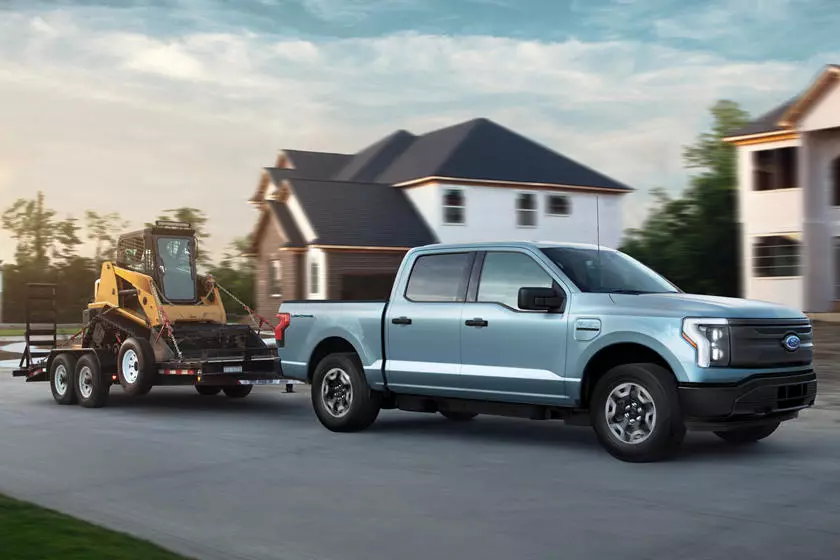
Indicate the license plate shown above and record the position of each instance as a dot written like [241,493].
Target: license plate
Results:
[261,382]
[233,369]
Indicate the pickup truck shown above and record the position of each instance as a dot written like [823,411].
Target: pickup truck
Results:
[574,332]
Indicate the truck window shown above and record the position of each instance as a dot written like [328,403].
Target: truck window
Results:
[439,278]
[504,273]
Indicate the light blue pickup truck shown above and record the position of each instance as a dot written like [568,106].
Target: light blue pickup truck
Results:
[553,331]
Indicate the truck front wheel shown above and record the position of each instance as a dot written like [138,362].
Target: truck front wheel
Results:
[636,414]
[342,399]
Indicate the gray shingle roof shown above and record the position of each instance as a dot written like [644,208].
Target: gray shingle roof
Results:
[369,163]
[317,165]
[361,214]
[287,222]
[768,122]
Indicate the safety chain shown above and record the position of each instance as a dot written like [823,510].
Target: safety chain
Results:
[254,316]
[166,325]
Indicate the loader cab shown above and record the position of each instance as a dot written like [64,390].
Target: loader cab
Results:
[166,252]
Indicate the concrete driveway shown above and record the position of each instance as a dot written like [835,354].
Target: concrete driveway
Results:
[259,478]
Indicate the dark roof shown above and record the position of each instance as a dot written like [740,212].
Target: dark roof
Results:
[317,165]
[768,122]
[369,163]
[361,214]
[294,238]
[481,149]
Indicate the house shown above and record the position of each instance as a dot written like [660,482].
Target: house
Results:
[789,198]
[336,226]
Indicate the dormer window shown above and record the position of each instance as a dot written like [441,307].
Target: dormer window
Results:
[453,206]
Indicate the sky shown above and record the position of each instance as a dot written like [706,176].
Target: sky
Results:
[137,106]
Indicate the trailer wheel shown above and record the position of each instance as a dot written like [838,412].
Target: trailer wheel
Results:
[136,366]
[342,399]
[237,391]
[91,386]
[208,390]
[61,378]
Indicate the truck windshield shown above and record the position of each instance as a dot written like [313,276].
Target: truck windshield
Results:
[607,271]
[175,254]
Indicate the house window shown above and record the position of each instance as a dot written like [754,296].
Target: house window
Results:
[453,206]
[558,205]
[314,278]
[774,169]
[776,255]
[835,181]
[276,278]
[526,210]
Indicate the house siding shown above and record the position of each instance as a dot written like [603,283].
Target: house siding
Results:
[341,263]
[269,250]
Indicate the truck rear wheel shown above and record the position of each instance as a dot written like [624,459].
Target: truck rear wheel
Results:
[61,378]
[91,387]
[237,391]
[635,411]
[342,399]
[748,435]
[136,366]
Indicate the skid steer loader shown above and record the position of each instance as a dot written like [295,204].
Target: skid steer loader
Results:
[154,320]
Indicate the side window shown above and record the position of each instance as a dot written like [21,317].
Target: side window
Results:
[439,278]
[504,273]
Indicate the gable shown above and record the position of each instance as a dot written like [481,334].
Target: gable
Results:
[824,112]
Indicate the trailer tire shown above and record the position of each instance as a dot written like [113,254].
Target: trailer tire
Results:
[136,366]
[339,379]
[61,378]
[91,386]
[237,391]
[208,390]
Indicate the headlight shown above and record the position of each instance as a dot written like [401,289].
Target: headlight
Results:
[711,339]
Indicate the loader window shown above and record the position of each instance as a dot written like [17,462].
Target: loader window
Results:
[175,256]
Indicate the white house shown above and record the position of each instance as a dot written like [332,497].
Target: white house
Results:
[789,199]
[337,225]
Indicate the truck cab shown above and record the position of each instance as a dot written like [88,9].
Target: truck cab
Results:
[551,330]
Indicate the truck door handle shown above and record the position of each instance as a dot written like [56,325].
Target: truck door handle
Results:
[476,323]
[401,321]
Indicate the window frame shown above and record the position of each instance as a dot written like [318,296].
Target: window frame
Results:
[534,211]
[468,272]
[835,182]
[314,278]
[755,268]
[478,271]
[444,206]
[567,198]
[275,284]
[777,170]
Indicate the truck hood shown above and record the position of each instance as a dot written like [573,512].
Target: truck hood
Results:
[705,306]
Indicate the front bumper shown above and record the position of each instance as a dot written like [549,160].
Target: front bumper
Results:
[756,399]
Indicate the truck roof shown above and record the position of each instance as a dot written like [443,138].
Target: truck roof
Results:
[511,244]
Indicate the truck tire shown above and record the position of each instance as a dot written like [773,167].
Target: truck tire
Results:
[208,390]
[341,397]
[136,366]
[748,435]
[237,391]
[458,416]
[635,411]
[61,378]
[91,386]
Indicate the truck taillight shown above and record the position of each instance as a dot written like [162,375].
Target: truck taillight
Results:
[283,321]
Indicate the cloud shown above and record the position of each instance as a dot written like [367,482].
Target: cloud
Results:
[129,121]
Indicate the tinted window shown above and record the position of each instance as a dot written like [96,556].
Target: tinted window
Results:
[439,277]
[175,255]
[504,273]
[606,271]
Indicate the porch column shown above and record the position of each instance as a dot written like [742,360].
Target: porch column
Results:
[816,257]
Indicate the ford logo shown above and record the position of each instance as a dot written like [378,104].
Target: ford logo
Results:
[791,342]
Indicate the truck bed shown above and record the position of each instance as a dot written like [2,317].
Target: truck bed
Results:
[313,322]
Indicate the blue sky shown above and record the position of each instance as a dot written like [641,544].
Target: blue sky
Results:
[136,106]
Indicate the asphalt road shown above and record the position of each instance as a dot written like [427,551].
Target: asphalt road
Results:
[261,479]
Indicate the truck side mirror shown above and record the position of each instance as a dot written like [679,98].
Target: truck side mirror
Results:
[540,299]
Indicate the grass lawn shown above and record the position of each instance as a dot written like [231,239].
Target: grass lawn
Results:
[28,532]
[19,332]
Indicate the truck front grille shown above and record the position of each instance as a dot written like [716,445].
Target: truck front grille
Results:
[758,342]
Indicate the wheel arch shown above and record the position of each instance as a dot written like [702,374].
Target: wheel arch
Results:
[327,346]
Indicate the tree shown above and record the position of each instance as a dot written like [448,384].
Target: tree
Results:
[33,227]
[103,230]
[66,242]
[693,240]
[198,221]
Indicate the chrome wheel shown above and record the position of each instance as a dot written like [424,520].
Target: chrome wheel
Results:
[85,382]
[130,366]
[61,380]
[630,413]
[337,392]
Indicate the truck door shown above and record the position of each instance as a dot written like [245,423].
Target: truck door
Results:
[508,353]
[423,324]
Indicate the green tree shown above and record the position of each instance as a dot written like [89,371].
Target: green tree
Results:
[236,273]
[198,221]
[32,225]
[693,239]
[66,245]
[103,230]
